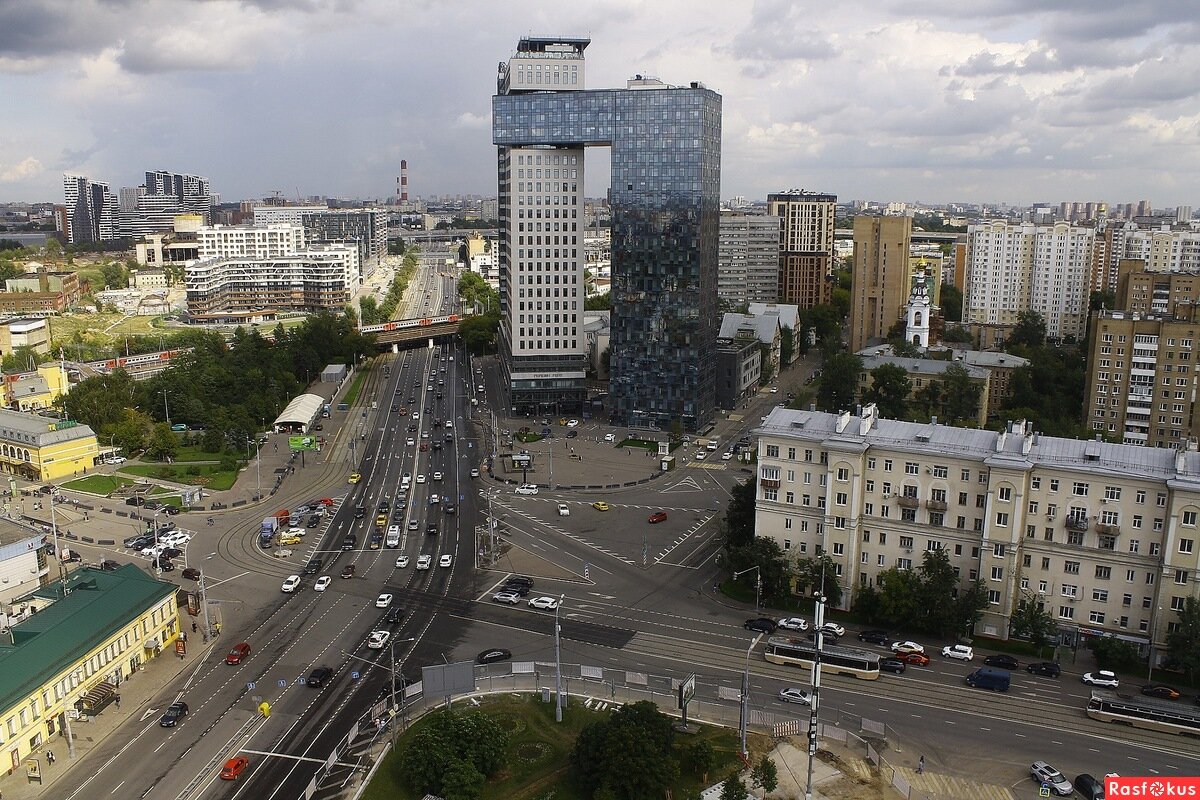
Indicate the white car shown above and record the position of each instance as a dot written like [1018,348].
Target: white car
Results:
[434,499]
[423,562]
[393,530]
[512,598]
[610,437]
[446,560]
[413,524]
[1043,773]
[728,454]
[416,415]
[961,652]
[291,584]
[421,478]
[383,601]
[832,628]
[545,603]
[474,473]
[527,488]
[701,455]
[563,510]
[437,476]
[401,562]
[411,442]
[572,423]
[378,639]
[794,695]
[115,460]
[1102,678]
[793,624]
[322,583]
[907,647]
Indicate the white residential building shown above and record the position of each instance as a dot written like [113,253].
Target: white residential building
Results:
[748,258]
[250,241]
[90,210]
[319,278]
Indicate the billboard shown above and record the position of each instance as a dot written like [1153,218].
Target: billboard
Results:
[303,443]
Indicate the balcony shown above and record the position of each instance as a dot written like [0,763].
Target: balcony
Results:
[1104,529]
[935,505]
[908,502]
[1077,523]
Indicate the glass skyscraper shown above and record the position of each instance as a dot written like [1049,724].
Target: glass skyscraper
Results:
[666,173]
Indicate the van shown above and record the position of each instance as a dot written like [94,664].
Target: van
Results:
[998,680]
[1089,787]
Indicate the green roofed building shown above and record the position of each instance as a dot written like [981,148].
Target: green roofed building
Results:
[74,646]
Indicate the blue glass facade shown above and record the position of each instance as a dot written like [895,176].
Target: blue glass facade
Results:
[665,200]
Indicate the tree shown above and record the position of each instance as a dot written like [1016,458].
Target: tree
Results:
[773,568]
[809,573]
[1030,331]
[700,756]
[765,775]
[739,515]
[1115,654]
[957,333]
[938,585]
[451,745]
[733,788]
[867,604]
[1031,621]
[951,300]
[628,753]
[839,382]
[960,396]
[461,781]
[900,597]
[114,274]
[478,332]
[968,607]
[599,302]
[162,444]
[889,390]
[1183,643]
[787,345]
[1102,299]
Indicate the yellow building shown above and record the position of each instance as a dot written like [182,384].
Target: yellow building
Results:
[74,652]
[41,448]
[31,391]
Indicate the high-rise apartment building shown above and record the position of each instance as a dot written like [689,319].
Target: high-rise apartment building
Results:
[883,277]
[665,154]
[1104,537]
[90,210]
[1020,267]
[249,241]
[806,246]
[1163,294]
[364,228]
[748,258]
[152,207]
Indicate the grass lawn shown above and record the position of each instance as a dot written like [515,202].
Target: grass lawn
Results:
[102,485]
[356,386]
[539,751]
[92,327]
[526,438]
[207,475]
[192,452]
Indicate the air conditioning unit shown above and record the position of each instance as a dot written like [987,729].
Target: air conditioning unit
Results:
[1103,499]
[1050,516]
[1041,592]
[887,496]
[928,471]
[1074,598]
[907,549]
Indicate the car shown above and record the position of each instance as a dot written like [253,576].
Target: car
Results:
[349,542]
[1101,678]
[313,521]
[760,624]
[564,510]
[544,603]
[191,573]
[431,529]
[175,712]
[892,665]
[793,623]
[1047,775]
[424,562]
[1160,690]
[701,455]
[376,540]
[434,499]
[410,441]
[520,580]
[1001,661]
[137,541]
[291,584]
[833,629]
[920,659]
[520,590]
[421,477]
[572,434]
[355,477]
[961,652]
[238,654]
[108,565]
[286,541]
[874,637]
[401,562]
[378,639]
[322,583]
[572,423]
[1047,668]
[446,560]
[413,524]
[319,676]
[348,571]
[793,694]
[437,476]
[907,647]
[164,564]
[728,454]
[474,473]
[527,488]
[511,598]
[234,767]
[383,601]
[610,437]
[493,655]
[394,530]
[312,567]
[657,517]
[392,617]
[600,505]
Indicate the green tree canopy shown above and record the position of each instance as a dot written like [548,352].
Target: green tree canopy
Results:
[960,396]
[1183,643]
[627,754]
[450,750]
[889,390]
[839,382]
[739,515]
[1030,331]
[1031,621]
[951,301]
[810,572]
[773,566]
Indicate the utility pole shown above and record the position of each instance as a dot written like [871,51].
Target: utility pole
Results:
[558,698]
[745,705]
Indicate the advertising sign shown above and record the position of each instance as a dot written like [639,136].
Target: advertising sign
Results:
[303,443]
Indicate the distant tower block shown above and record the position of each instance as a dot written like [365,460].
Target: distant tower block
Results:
[403,181]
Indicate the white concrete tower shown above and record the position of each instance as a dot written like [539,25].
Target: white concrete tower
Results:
[916,318]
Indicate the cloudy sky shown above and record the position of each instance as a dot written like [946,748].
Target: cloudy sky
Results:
[938,101]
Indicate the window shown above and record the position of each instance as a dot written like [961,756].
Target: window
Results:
[772,451]
[871,463]
[1181,577]
[791,454]
[1177,604]
[906,541]
[1103,572]
[1079,489]
[1185,545]
[1112,492]
[839,549]
[1066,612]
[981,501]
[940,471]
[1099,595]
[911,468]
[1069,590]
[840,498]
[843,474]
[1005,493]
[770,494]
[1139,496]
[997,573]
[887,465]
[789,498]
[870,486]
[1002,519]
[904,563]
[962,498]
[1097,617]
[1035,483]
[998,550]
[1054,484]
[1071,567]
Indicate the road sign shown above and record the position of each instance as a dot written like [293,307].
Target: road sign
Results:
[1044,791]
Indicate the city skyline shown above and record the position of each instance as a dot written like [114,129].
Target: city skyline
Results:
[996,102]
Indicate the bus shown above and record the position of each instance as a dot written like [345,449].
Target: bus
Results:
[1144,712]
[841,660]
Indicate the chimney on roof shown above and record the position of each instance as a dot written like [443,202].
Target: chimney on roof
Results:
[842,421]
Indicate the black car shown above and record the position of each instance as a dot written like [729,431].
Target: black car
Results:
[1004,662]
[170,510]
[108,565]
[171,552]
[384,506]
[191,573]
[493,655]
[136,500]
[1161,691]
[350,542]
[313,521]
[760,624]
[151,505]
[431,530]
[1048,668]
[875,637]
[175,712]
[312,567]
[437,445]
[448,508]
[393,616]
[892,665]
[518,589]
[138,542]
[164,564]
[395,407]
[319,676]
[571,434]
[520,579]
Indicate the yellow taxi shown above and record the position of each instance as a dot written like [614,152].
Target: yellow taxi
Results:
[354,477]
[284,541]
[600,505]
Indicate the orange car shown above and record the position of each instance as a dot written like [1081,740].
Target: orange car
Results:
[234,767]
[920,659]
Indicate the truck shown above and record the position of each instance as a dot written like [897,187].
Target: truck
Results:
[267,532]
[997,680]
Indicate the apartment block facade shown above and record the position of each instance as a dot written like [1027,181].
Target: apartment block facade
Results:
[250,241]
[90,210]
[748,258]
[1105,537]
[806,246]
[883,277]
[319,278]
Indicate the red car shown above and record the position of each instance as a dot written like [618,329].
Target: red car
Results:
[234,767]
[920,659]
[238,654]
[657,516]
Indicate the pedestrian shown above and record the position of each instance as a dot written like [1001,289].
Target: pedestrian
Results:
[117,701]
[184,635]
[49,756]
[921,766]
[193,627]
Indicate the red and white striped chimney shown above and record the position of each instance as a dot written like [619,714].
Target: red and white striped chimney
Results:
[403,181]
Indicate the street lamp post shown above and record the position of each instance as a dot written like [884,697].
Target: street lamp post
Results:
[166,411]
[818,624]
[745,705]
[757,584]
[558,700]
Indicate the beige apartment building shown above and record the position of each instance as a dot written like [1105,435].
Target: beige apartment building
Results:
[883,273]
[805,246]
[1172,294]
[1103,536]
